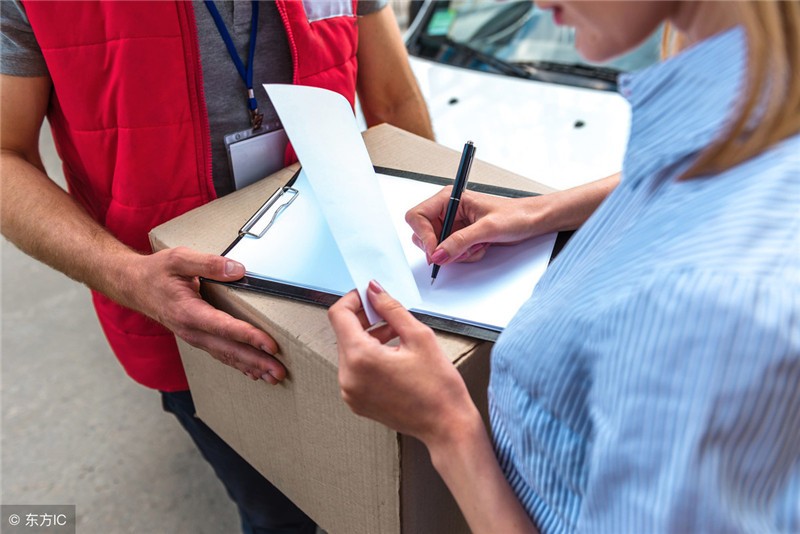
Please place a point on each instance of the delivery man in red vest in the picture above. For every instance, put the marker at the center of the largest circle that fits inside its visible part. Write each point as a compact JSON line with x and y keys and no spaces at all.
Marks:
{"x":146,"y":101}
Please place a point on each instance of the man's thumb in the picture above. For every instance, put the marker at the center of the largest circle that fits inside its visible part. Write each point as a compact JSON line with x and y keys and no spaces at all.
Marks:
{"x":233,"y":269}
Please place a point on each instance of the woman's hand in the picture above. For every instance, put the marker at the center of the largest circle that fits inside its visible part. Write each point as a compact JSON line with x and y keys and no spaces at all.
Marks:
{"x":483,"y":220}
{"x":411,"y":387}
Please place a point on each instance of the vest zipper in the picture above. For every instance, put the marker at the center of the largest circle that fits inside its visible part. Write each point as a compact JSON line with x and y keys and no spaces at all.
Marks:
{"x":290,"y":38}
{"x":197,"y":99}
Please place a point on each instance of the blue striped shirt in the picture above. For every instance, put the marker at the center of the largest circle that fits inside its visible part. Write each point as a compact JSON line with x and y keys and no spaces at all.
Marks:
{"x":652,"y":382}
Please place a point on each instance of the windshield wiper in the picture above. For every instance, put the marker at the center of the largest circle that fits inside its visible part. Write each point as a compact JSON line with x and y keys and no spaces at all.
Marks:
{"x":576,"y":74}
{"x":501,"y":66}
{"x":606,"y":74}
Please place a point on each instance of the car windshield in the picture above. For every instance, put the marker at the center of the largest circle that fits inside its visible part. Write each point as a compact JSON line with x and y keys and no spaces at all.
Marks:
{"x":517,"y":38}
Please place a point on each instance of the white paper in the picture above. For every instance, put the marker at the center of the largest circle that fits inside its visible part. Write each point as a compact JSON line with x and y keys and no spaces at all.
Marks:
{"x":324,"y":133}
{"x":299,"y":250}
{"x":485,"y":293}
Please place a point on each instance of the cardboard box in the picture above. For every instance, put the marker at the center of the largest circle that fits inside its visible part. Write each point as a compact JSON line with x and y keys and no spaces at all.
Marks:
{"x":349,"y":474}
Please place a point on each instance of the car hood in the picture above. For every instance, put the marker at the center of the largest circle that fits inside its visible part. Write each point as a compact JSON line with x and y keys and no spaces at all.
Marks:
{"x":558,"y":135}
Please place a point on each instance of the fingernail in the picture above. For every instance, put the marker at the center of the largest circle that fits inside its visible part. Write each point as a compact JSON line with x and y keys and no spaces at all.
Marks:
{"x":266,"y":377}
{"x":233,"y":268}
{"x":265,"y":349}
{"x":439,"y":256}
{"x":375,"y":287}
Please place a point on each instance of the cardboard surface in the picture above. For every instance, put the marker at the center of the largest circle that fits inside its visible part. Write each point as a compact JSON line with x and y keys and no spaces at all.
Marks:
{"x":349,"y":474}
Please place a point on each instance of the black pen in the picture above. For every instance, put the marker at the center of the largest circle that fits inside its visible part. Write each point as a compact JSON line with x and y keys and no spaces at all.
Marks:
{"x":455,"y":197}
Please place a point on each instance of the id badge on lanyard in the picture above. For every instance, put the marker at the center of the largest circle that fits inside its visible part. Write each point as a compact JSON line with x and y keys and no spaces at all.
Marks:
{"x":255,"y":154}
{"x":258,"y":151}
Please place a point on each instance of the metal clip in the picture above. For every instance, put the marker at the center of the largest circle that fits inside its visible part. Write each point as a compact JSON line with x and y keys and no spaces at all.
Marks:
{"x":263,"y":219}
{"x":256,"y":119}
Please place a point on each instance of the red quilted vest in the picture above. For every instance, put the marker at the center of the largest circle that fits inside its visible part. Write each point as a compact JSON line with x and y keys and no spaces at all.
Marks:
{"x":130,"y":124}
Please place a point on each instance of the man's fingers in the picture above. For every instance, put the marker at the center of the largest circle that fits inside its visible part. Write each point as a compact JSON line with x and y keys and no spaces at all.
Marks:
{"x":240,"y":356}
{"x":187,"y":262}
{"x":233,"y":342}
{"x":206,"y":318}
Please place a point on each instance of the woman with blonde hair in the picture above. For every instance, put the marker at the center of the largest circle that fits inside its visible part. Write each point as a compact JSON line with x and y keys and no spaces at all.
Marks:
{"x":650,"y":384}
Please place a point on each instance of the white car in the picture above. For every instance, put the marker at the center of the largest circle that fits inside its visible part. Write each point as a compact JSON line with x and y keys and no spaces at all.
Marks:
{"x":503,"y":75}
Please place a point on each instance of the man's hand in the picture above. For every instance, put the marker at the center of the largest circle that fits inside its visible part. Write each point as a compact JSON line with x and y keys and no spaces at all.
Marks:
{"x":45,"y":222}
{"x":167,"y":290}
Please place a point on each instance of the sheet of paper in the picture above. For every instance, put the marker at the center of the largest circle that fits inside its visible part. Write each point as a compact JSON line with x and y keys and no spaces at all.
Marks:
{"x":299,"y":250}
{"x":488,"y":292}
{"x":324,"y":133}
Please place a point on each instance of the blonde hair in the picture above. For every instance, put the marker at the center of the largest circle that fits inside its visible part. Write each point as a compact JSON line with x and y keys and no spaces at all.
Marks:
{"x":672,"y":41}
{"x":769,"y":108}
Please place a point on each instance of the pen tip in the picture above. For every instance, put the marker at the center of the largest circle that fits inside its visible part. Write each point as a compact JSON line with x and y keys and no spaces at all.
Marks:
{"x":433,"y":280}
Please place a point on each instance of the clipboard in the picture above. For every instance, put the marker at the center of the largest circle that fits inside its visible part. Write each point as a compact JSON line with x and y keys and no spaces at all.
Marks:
{"x":254,"y":238}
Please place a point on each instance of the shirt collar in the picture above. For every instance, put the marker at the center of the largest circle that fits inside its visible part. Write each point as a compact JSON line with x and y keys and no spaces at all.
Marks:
{"x":681,"y":105}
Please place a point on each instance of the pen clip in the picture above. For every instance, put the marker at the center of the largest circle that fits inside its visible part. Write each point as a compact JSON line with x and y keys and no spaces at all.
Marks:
{"x":263,"y":219}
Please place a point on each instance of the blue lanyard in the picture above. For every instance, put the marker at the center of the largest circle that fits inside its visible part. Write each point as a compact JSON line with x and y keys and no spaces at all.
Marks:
{"x":246,"y":73}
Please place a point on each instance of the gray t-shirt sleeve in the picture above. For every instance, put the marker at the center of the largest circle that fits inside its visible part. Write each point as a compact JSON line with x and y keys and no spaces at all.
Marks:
{"x":367,"y":7}
{"x":20,"y":54}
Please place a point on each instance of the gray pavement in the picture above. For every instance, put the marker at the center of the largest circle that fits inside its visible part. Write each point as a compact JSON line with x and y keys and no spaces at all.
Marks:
{"x":76,"y":429}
